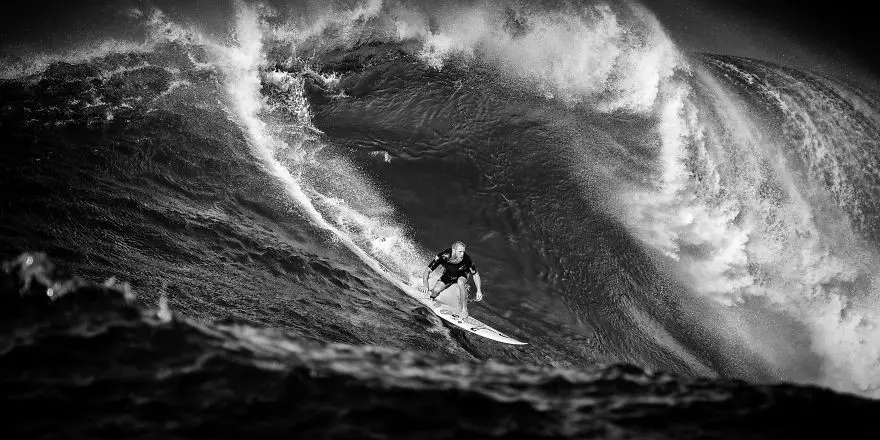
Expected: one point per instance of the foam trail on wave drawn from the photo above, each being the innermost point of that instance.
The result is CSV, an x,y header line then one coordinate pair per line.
x,y
369,238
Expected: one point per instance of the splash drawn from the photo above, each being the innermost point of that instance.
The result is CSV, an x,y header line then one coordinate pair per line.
x,y
615,60
745,224
688,213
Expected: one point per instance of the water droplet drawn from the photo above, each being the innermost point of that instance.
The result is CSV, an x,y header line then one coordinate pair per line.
x,y
50,292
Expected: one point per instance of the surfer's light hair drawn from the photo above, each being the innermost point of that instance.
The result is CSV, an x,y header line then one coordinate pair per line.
x,y
459,244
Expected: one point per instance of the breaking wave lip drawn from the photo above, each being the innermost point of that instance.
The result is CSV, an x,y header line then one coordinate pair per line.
x,y
613,57
120,364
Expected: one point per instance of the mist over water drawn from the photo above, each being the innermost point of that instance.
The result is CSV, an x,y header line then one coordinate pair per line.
x,y
624,201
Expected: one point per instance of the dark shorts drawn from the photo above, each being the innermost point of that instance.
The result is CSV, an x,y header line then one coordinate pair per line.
x,y
448,282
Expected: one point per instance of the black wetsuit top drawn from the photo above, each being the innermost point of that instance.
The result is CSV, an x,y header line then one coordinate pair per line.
x,y
452,271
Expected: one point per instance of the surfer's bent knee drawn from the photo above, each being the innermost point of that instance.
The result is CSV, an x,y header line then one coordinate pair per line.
x,y
439,286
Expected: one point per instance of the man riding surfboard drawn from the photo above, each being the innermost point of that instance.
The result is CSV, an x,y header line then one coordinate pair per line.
x,y
457,265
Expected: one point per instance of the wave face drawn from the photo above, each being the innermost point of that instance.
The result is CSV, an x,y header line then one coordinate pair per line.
x,y
708,217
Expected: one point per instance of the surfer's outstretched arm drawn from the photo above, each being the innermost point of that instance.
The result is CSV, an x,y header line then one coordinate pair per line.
x,y
479,296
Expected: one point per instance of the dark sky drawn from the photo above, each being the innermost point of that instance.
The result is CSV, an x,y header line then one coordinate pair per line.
x,y
837,37
50,25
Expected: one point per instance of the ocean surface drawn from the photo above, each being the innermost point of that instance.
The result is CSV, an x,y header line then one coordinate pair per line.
x,y
687,242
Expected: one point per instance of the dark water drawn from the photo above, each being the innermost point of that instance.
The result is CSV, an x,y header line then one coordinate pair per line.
x,y
92,361
723,234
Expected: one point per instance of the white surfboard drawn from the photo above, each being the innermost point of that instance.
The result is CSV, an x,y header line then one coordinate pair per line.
x,y
470,324
450,313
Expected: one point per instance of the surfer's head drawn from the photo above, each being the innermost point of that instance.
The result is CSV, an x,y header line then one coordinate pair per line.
x,y
457,250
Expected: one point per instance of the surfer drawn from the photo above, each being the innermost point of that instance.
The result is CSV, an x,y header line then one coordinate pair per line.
x,y
457,265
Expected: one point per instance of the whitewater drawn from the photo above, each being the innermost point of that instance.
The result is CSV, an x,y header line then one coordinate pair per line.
x,y
626,202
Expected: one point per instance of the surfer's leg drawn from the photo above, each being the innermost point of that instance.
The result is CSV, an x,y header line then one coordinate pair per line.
x,y
462,291
439,287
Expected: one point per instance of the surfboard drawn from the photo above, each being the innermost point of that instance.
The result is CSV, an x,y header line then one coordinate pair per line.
x,y
450,314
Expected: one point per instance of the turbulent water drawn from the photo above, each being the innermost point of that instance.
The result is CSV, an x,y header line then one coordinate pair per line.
x,y
626,204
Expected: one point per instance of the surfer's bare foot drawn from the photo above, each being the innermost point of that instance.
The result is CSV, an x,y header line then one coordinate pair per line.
x,y
464,315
